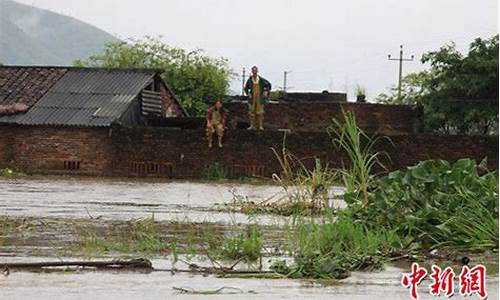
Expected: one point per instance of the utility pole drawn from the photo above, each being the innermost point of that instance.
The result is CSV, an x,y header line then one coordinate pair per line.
x,y
401,59
243,82
285,74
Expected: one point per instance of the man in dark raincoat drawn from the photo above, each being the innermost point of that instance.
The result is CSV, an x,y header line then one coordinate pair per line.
x,y
257,89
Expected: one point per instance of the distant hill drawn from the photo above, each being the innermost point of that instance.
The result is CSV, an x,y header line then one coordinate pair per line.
x,y
34,36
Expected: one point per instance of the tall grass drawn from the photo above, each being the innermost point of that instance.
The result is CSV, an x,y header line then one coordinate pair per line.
x,y
135,236
304,187
358,175
245,246
431,205
333,248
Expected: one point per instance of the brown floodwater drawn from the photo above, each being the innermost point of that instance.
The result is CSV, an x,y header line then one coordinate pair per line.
x,y
124,285
125,199
129,199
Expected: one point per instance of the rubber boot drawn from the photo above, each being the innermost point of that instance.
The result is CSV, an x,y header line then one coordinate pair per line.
x,y
261,122
220,141
210,140
252,123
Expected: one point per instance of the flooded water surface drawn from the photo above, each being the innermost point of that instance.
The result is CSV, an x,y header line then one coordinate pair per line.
x,y
126,199
116,200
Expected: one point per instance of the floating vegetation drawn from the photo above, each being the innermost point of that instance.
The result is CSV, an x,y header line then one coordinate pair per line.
x,y
438,204
245,246
10,173
225,290
135,236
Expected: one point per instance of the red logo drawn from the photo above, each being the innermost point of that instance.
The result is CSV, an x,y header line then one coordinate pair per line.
x,y
413,279
472,281
442,281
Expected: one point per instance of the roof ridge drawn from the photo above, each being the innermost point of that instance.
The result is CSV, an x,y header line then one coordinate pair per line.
x,y
130,69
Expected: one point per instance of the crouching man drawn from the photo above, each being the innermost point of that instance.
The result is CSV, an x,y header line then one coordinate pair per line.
x,y
216,123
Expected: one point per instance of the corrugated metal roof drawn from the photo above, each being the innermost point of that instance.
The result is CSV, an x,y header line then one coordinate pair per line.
x,y
86,97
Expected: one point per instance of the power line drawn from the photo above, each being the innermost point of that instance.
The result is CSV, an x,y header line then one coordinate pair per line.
x,y
400,59
285,74
243,82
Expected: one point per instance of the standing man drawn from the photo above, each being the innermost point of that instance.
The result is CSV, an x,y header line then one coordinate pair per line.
x,y
257,90
216,122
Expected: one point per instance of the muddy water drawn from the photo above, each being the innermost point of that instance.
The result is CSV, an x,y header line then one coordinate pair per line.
x,y
160,285
180,201
126,199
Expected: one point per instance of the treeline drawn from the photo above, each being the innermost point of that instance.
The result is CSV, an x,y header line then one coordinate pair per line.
x,y
458,94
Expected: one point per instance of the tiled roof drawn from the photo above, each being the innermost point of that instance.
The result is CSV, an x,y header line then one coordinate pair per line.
x,y
27,84
80,97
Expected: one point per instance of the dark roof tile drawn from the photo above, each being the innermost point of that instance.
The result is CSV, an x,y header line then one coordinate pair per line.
x,y
71,96
27,85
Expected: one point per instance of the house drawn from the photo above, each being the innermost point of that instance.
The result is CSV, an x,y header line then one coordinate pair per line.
x,y
85,97
60,119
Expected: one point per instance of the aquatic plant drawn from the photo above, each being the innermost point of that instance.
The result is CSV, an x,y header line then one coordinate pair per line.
x,y
135,236
437,203
306,189
245,246
333,248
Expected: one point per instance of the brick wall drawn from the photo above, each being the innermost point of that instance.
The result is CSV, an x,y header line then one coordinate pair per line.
x,y
383,119
85,151
6,135
183,153
163,152
340,97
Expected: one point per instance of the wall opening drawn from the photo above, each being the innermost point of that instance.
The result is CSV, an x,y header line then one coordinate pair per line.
x,y
72,165
237,170
142,168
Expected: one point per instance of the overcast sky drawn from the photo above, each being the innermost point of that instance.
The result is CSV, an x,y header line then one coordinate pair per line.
x,y
327,44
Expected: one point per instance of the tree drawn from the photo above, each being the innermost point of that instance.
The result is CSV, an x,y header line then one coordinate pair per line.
x,y
412,90
459,93
195,78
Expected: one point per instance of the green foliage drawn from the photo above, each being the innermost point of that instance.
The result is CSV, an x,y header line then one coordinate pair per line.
x,y
431,205
280,267
246,246
306,189
437,204
459,94
136,236
333,248
9,173
359,90
214,171
358,176
277,94
412,90
196,79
